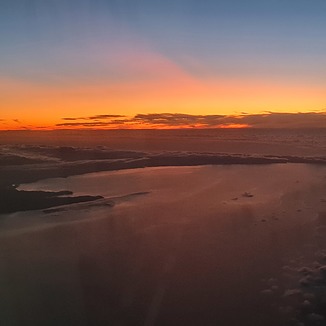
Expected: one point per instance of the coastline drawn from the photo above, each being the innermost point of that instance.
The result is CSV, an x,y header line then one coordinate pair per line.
x,y
39,163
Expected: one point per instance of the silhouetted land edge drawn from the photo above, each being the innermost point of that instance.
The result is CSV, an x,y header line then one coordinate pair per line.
x,y
13,200
17,174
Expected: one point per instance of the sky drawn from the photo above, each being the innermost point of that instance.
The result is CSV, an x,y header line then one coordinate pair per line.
x,y
161,63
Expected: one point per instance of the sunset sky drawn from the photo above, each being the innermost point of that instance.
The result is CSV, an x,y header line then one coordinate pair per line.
x,y
162,63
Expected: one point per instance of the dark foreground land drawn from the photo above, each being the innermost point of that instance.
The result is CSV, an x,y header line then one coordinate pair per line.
x,y
13,200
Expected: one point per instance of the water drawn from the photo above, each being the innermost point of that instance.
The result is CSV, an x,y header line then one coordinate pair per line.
x,y
192,250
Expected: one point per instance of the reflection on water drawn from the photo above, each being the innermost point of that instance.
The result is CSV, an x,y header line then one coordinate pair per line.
x,y
192,251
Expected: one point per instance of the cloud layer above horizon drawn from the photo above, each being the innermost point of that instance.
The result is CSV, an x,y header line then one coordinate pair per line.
x,y
178,120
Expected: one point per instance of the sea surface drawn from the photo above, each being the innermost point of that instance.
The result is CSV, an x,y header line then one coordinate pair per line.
x,y
311,142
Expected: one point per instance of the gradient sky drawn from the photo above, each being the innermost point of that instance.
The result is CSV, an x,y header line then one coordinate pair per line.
x,y
70,59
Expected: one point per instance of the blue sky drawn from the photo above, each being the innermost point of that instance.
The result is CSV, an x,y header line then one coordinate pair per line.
x,y
206,37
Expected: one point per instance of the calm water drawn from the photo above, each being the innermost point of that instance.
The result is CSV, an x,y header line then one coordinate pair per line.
x,y
192,250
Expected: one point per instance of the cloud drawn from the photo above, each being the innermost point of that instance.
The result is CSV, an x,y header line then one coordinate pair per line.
x,y
96,121
85,124
286,120
105,116
179,120
153,120
96,117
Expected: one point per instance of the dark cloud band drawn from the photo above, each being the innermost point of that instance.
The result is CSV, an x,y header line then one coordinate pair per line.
x,y
175,120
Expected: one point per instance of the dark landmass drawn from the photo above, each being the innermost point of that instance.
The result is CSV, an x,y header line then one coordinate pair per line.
x,y
10,159
44,162
70,153
13,200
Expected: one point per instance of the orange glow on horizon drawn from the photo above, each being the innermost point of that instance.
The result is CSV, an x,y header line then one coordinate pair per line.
x,y
234,126
165,87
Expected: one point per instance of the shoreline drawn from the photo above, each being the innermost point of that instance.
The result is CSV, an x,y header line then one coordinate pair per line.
x,y
77,161
28,164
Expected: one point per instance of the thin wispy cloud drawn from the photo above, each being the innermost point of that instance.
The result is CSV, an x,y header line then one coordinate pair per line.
x,y
179,120
86,124
95,117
